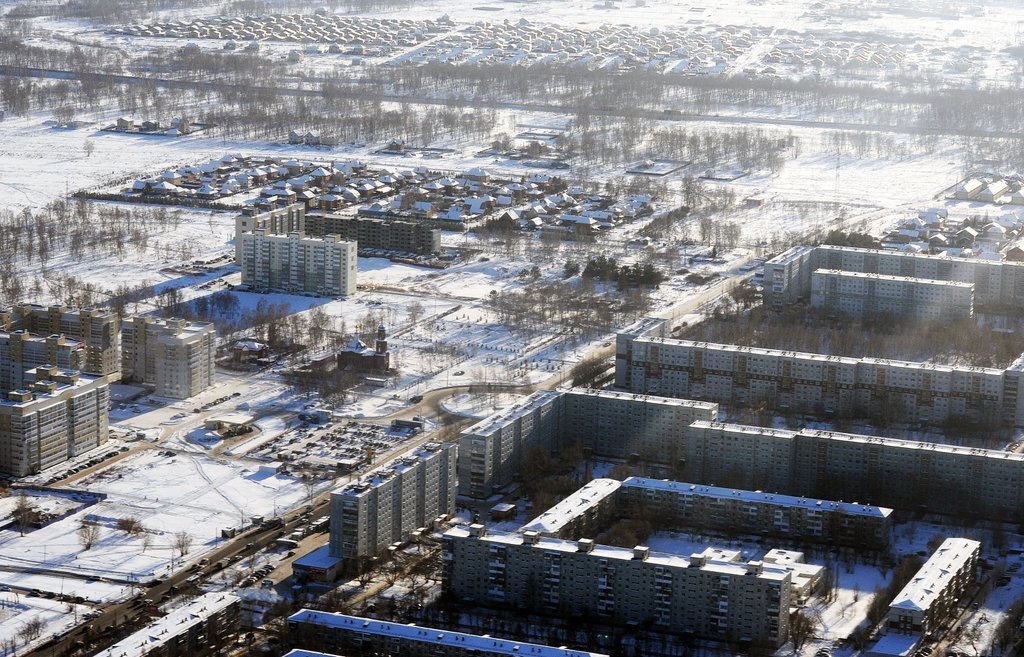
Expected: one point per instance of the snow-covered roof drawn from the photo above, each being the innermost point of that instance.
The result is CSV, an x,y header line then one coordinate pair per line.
x,y
849,508
936,574
173,624
557,517
464,642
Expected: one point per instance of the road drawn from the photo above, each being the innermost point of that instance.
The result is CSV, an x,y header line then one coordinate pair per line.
x,y
677,116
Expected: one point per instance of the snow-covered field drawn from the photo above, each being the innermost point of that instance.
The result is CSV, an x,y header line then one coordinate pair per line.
x,y
190,493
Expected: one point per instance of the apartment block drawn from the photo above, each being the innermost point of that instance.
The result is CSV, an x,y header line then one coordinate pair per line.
x,y
370,233
786,380
586,512
931,596
297,264
625,425
711,595
732,510
281,221
202,627
864,296
490,450
21,351
901,474
98,329
175,356
389,504
351,635
604,422
998,285
55,416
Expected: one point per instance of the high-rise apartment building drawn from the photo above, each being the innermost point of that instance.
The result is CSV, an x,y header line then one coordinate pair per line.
x,y
369,233
21,351
281,221
297,264
201,627
98,329
605,422
387,505
55,416
175,356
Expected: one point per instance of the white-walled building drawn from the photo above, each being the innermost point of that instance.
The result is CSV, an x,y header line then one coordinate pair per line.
x,y
175,356
298,264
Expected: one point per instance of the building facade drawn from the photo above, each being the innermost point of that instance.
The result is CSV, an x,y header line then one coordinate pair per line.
x,y
932,595
829,385
57,415
998,285
280,221
21,351
900,474
731,510
716,598
369,233
864,296
175,356
98,329
297,264
389,504
604,422
351,635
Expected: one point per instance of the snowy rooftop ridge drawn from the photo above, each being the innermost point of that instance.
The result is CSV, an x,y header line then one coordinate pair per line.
x,y
845,360
936,574
887,277
850,508
589,496
171,625
482,643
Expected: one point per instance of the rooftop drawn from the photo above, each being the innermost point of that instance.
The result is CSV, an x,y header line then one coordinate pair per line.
x,y
895,279
440,638
823,358
588,497
633,396
178,621
936,574
537,400
849,508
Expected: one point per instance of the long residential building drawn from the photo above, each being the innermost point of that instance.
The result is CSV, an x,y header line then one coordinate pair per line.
x,y
177,357
674,505
866,296
369,233
98,329
389,504
605,422
704,595
204,626
832,385
998,285
297,264
932,595
901,474
732,510
57,415
351,635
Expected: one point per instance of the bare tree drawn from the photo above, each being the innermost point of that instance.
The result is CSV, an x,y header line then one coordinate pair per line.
x,y
88,534
24,513
801,628
32,629
89,148
182,542
130,525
